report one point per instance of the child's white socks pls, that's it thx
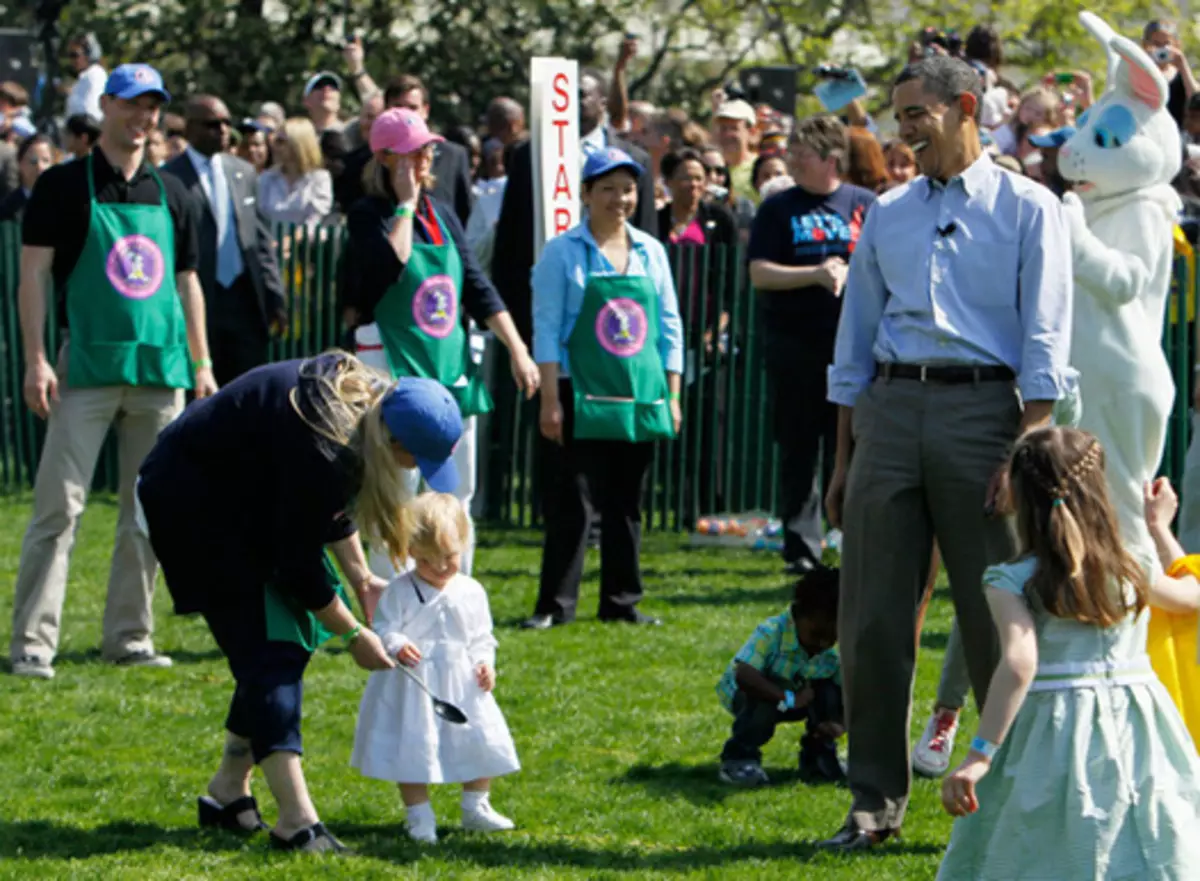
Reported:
(422, 824)
(479, 816)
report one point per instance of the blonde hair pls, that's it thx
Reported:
(1066, 521)
(301, 137)
(435, 523)
(376, 182)
(348, 412)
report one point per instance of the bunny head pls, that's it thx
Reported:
(1127, 140)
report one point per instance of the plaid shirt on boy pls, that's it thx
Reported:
(775, 650)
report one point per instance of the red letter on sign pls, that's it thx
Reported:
(561, 125)
(562, 186)
(561, 94)
(562, 220)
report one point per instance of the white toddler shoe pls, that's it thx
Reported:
(422, 824)
(479, 816)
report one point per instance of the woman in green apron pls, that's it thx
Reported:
(242, 497)
(609, 343)
(410, 276)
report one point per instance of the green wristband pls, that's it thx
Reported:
(203, 364)
(404, 211)
(673, 396)
(348, 638)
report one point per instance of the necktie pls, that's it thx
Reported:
(229, 255)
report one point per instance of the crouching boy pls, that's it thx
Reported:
(788, 671)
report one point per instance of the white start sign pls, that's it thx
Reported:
(554, 91)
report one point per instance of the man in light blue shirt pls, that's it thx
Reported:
(953, 340)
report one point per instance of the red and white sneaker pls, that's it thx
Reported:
(931, 755)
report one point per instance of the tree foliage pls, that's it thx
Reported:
(469, 52)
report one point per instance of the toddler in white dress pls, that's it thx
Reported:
(437, 622)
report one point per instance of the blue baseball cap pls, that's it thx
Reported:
(607, 160)
(1051, 140)
(134, 80)
(425, 419)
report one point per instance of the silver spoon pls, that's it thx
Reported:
(446, 710)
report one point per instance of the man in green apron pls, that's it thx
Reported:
(117, 244)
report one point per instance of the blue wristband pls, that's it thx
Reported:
(788, 702)
(985, 748)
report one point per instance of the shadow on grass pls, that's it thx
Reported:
(38, 839)
(510, 852)
(934, 640)
(698, 783)
(178, 656)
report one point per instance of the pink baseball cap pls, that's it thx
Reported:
(401, 130)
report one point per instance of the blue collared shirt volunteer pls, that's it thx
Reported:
(559, 279)
(975, 272)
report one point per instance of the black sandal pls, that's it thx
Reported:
(213, 815)
(315, 839)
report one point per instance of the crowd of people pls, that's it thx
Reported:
(905, 396)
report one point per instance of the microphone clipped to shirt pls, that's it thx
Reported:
(947, 230)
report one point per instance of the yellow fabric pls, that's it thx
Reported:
(1172, 646)
(1184, 249)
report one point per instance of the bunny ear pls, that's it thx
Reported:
(1139, 74)
(1104, 35)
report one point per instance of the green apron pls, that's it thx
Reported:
(420, 326)
(126, 324)
(288, 621)
(617, 373)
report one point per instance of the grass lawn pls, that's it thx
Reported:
(618, 730)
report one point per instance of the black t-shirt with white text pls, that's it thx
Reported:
(798, 228)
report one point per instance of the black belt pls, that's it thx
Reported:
(949, 374)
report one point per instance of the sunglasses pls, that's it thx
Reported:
(75, 53)
(215, 124)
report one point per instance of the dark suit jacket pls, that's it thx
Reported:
(254, 236)
(452, 168)
(512, 256)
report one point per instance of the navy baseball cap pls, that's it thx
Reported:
(425, 419)
(134, 80)
(607, 160)
(1051, 140)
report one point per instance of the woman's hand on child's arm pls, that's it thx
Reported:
(409, 655)
(485, 676)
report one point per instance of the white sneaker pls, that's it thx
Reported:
(931, 755)
(32, 668)
(422, 825)
(485, 819)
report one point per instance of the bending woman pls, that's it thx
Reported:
(241, 495)
(409, 277)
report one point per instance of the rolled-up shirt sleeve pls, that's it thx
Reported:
(863, 301)
(1045, 303)
(549, 281)
(670, 326)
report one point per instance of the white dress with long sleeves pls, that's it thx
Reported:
(398, 737)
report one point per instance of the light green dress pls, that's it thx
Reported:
(1098, 778)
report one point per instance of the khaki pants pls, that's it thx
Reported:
(923, 457)
(77, 427)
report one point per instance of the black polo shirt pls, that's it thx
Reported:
(58, 213)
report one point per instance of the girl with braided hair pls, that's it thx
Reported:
(1082, 766)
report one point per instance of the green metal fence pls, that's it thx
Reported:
(723, 460)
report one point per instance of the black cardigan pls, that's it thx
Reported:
(252, 489)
